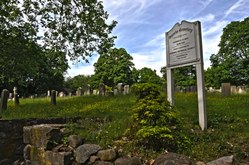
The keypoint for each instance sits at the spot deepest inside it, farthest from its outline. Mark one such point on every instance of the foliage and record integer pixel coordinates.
(78, 28)
(155, 122)
(230, 64)
(113, 67)
(147, 75)
(29, 67)
(77, 81)
(183, 77)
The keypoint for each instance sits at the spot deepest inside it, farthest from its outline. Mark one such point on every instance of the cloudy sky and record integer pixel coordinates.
(142, 25)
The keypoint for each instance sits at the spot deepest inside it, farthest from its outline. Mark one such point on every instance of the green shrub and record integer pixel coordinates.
(155, 123)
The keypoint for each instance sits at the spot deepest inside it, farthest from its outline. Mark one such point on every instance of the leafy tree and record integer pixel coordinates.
(77, 81)
(26, 65)
(147, 75)
(230, 64)
(113, 67)
(183, 77)
(78, 28)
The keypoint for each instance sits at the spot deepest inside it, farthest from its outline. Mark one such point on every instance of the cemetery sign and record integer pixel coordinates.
(181, 44)
(183, 48)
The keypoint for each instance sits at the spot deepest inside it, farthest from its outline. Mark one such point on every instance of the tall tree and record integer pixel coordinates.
(113, 67)
(78, 28)
(232, 61)
(147, 75)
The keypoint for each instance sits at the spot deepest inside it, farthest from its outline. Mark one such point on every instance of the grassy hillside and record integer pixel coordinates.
(105, 119)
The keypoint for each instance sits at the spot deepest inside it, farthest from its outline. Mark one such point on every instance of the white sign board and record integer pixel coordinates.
(184, 47)
(181, 44)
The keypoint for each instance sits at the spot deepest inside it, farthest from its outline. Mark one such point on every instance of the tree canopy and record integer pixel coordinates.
(147, 75)
(231, 63)
(113, 67)
(77, 28)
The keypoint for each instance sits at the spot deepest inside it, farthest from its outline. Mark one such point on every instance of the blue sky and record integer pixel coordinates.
(142, 25)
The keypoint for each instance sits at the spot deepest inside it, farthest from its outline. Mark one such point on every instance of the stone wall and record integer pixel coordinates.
(11, 137)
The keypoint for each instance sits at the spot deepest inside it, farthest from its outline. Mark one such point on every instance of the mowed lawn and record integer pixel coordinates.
(105, 119)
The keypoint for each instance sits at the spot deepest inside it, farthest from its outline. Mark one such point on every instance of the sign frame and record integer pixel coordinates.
(180, 52)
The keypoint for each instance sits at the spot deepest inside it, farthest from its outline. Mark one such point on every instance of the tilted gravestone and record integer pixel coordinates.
(4, 99)
(53, 97)
(226, 89)
(101, 89)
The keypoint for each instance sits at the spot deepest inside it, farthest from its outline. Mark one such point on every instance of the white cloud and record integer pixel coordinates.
(216, 28)
(234, 7)
(154, 60)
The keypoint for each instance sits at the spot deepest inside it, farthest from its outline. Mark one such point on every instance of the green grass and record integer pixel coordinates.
(105, 119)
(228, 126)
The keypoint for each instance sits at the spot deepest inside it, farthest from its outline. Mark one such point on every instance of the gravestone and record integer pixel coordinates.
(48, 94)
(10, 96)
(61, 94)
(95, 92)
(120, 88)
(115, 91)
(16, 98)
(87, 90)
(225, 89)
(126, 89)
(79, 91)
(101, 89)
(234, 90)
(53, 97)
(4, 99)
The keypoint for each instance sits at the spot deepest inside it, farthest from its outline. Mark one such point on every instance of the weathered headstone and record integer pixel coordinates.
(126, 89)
(225, 89)
(48, 94)
(10, 96)
(79, 91)
(234, 90)
(16, 98)
(101, 89)
(95, 92)
(115, 91)
(61, 94)
(4, 99)
(87, 90)
(53, 97)
(120, 88)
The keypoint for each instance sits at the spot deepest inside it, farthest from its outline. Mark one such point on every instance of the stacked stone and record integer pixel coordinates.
(44, 146)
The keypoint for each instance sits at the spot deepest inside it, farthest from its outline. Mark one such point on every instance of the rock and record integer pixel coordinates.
(107, 155)
(27, 151)
(42, 136)
(172, 159)
(62, 148)
(93, 159)
(128, 161)
(64, 158)
(84, 152)
(102, 163)
(200, 163)
(75, 141)
(226, 160)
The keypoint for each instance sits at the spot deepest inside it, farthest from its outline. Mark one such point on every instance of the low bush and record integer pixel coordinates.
(155, 123)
